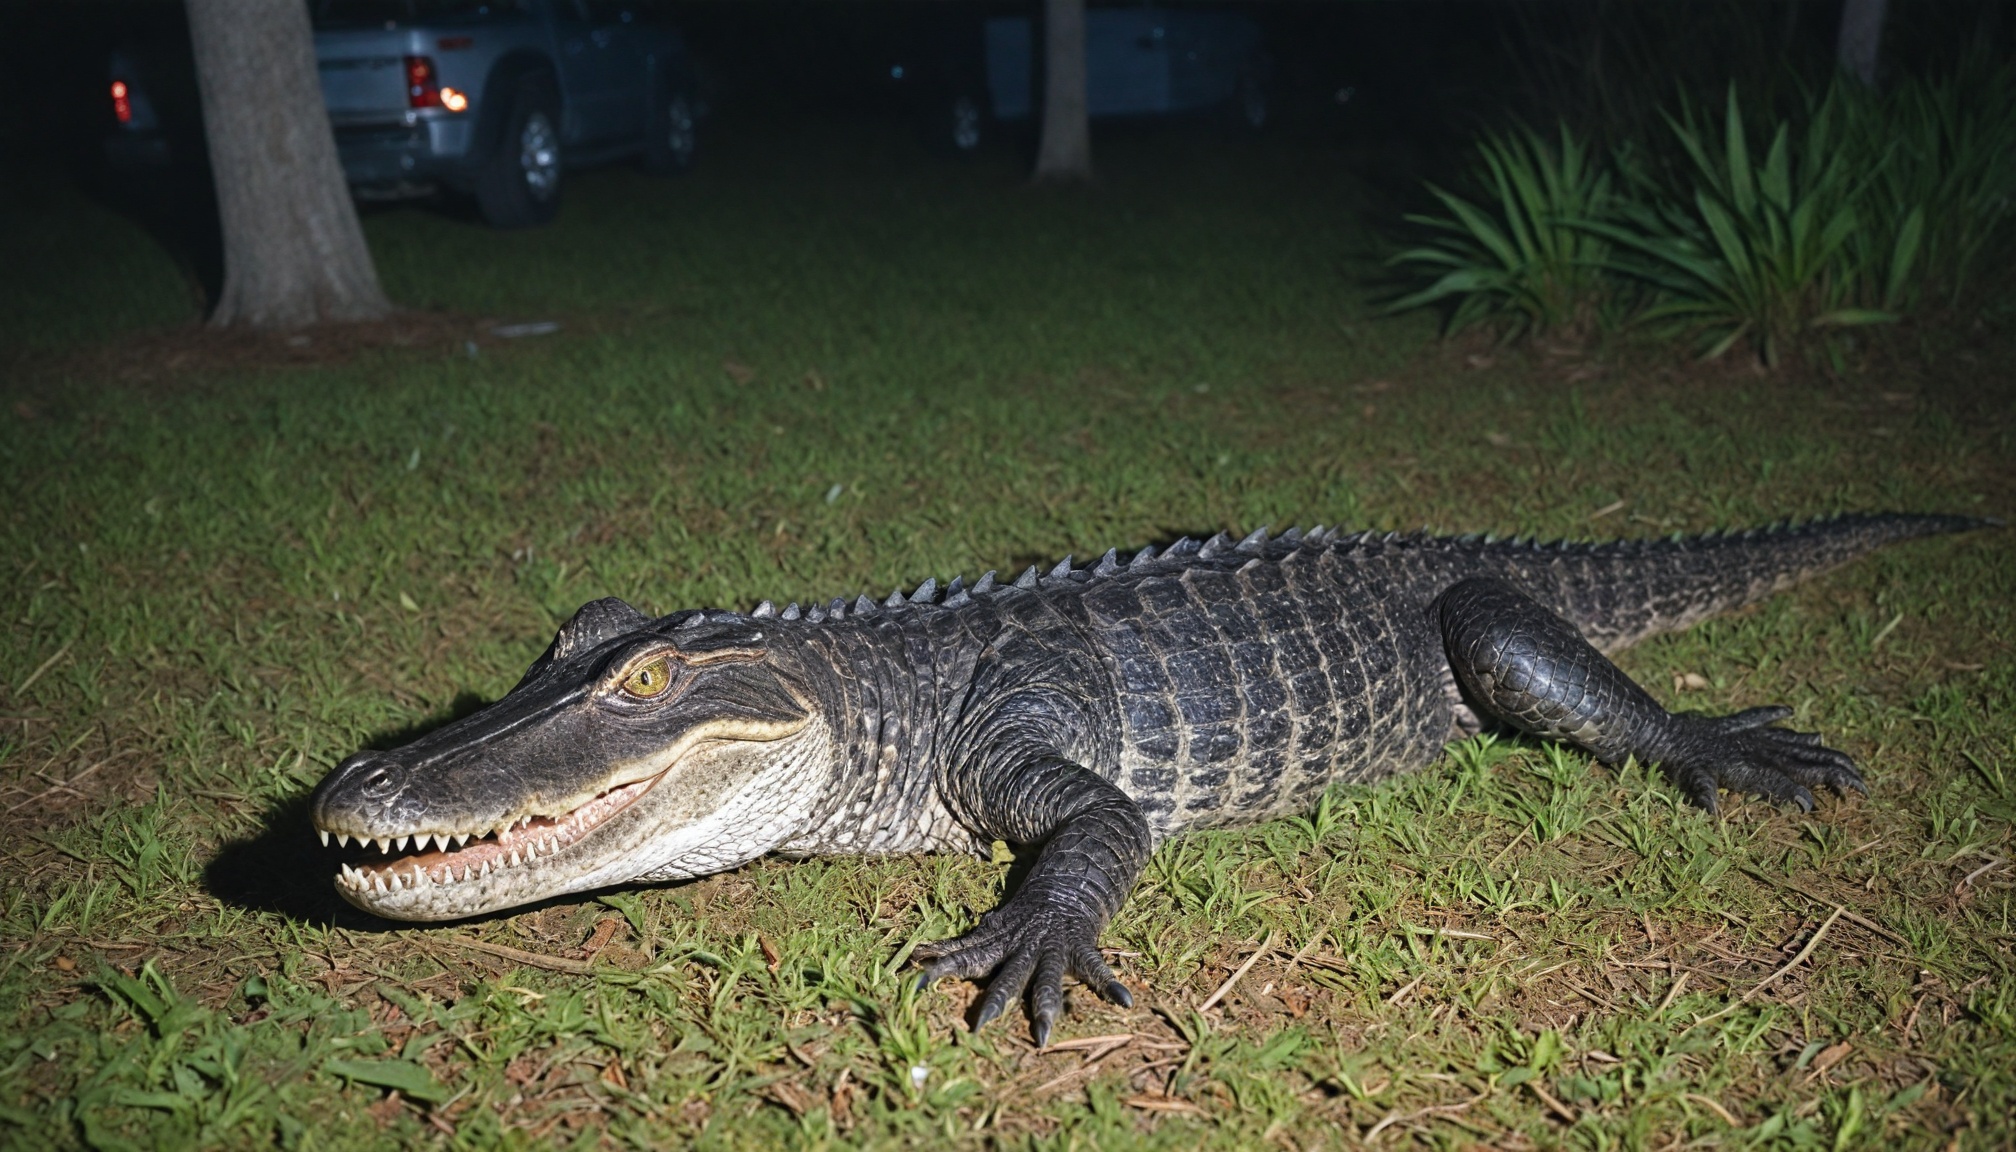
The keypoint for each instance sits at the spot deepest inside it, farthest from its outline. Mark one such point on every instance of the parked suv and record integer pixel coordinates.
(493, 99)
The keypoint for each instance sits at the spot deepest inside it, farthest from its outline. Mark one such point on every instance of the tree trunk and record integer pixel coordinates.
(1861, 42)
(1065, 151)
(294, 253)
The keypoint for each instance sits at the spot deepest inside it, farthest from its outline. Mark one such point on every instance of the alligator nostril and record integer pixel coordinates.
(367, 775)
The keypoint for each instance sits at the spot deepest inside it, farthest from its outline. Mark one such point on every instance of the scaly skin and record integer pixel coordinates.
(1092, 712)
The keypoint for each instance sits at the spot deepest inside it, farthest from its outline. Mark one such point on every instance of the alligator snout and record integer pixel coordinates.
(363, 792)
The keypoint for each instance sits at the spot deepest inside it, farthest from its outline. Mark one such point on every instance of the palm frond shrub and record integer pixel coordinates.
(1757, 247)
(1945, 150)
(1522, 258)
(1855, 209)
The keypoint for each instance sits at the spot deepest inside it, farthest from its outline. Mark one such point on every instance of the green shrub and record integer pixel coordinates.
(1946, 147)
(1524, 259)
(1858, 209)
(1762, 248)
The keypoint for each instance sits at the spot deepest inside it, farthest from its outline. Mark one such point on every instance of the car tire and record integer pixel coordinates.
(965, 125)
(672, 135)
(955, 125)
(519, 186)
(1251, 104)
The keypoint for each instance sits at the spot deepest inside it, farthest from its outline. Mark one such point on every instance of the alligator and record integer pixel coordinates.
(1089, 713)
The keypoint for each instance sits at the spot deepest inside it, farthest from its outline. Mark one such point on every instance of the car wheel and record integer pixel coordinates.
(674, 136)
(520, 185)
(963, 125)
(1252, 104)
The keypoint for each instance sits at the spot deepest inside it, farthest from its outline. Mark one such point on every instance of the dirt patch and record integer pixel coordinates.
(169, 356)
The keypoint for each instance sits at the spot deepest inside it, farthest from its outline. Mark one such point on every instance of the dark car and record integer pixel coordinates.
(496, 99)
(1141, 61)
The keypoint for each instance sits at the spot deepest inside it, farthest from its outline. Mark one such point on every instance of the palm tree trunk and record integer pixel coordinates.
(1065, 150)
(1860, 47)
(294, 253)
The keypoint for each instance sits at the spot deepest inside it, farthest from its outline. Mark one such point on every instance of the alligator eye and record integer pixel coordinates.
(649, 680)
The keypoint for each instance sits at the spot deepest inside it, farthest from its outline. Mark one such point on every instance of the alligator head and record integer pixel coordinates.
(633, 749)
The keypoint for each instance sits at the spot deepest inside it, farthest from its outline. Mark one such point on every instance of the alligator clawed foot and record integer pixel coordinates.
(1027, 948)
(1745, 753)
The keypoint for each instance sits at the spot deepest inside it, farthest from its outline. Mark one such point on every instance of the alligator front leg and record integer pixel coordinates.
(1094, 845)
(1525, 666)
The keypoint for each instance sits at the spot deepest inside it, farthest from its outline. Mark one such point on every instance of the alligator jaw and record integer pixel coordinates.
(478, 860)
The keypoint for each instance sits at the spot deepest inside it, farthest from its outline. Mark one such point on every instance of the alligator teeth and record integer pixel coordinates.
(342, 839)
(548, 846)
(348, 875)
(486, 869)
(466, 870)
(324, 833)
(378, 883)
(461, 839)
(400, 842)
(514, 861)
(420, 876)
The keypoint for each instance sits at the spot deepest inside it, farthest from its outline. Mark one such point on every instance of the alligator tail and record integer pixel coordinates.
(1621, 593)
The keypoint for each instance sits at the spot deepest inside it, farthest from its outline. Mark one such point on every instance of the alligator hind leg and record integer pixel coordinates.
(1521, 664)
(1094, 843)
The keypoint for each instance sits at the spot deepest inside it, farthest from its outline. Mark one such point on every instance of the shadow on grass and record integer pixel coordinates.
(285, 869)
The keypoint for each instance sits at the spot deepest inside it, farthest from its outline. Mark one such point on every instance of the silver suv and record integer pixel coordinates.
(495, 99)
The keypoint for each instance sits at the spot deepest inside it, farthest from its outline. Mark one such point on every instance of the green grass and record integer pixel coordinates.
(222, 582)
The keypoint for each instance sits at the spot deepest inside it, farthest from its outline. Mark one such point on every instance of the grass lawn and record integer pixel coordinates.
(824, 364)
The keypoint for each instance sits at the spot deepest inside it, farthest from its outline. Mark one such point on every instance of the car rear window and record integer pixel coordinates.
(364, 13)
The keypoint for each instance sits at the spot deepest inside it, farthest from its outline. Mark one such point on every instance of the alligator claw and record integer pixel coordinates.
(1025, 949)
(1744, 753)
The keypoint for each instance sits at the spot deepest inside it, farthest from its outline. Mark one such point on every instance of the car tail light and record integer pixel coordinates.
(421, 90)
(122, 103)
